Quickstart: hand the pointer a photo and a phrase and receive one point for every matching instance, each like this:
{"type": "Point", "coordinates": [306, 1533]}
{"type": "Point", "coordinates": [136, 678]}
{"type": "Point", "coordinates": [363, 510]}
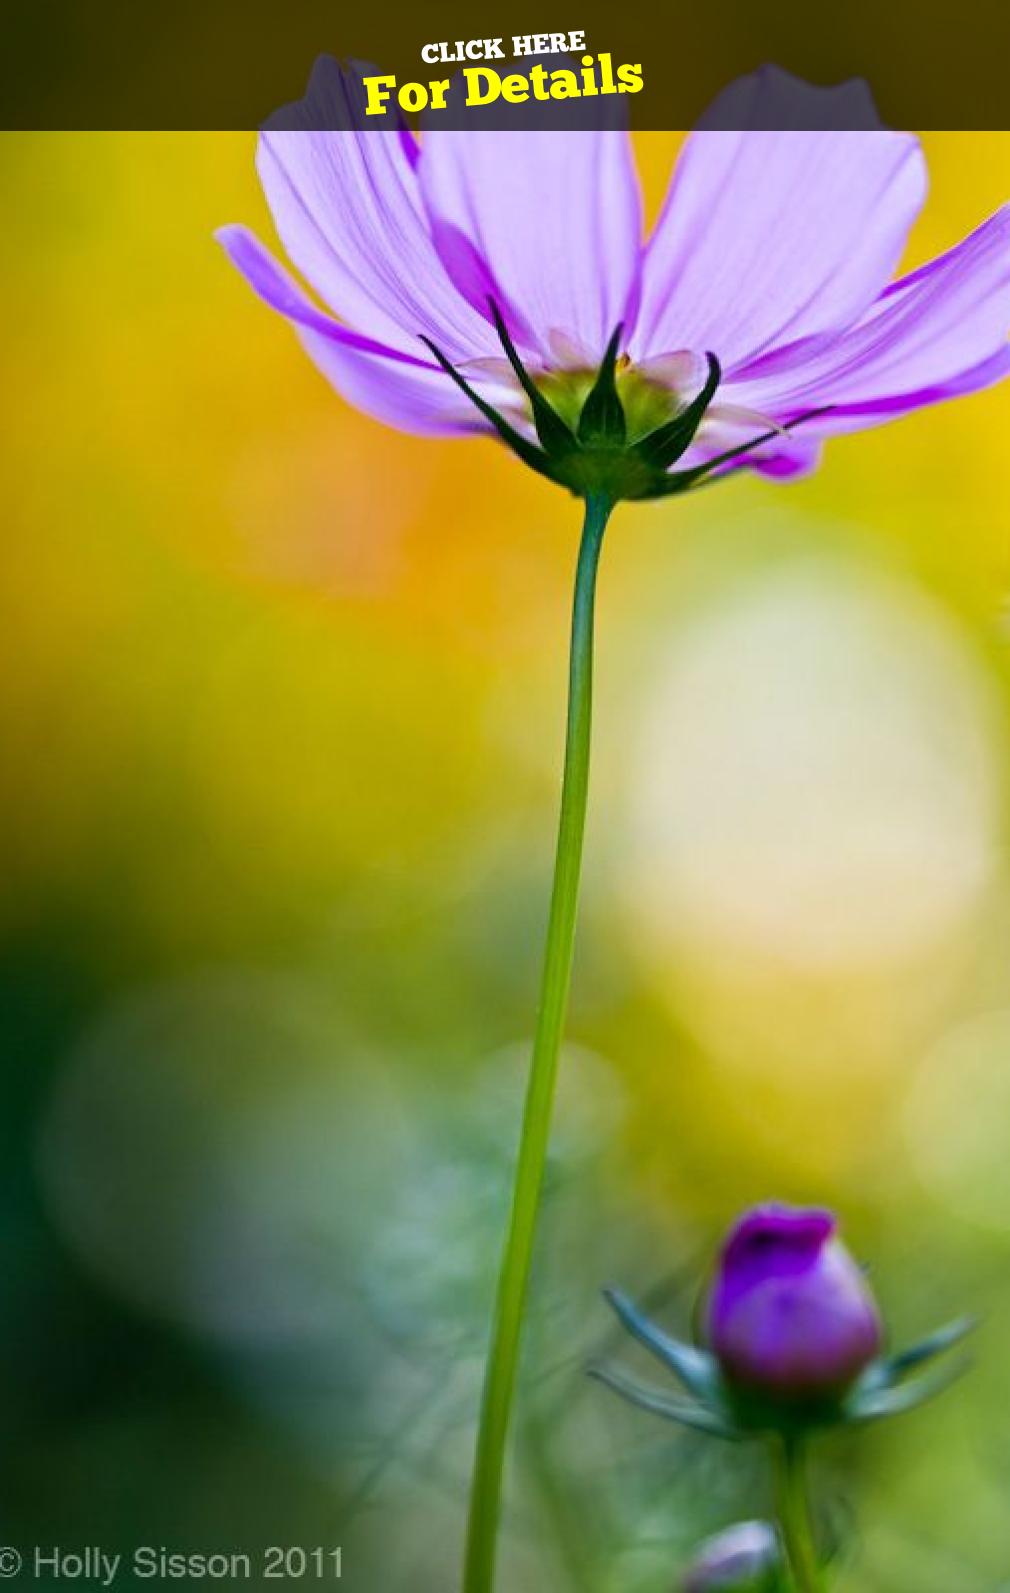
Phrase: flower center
{"type": "Point", "coordinates": [648, 400]}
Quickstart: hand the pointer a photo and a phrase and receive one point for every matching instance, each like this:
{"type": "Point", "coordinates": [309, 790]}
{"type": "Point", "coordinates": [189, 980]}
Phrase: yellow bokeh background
{"type": "Point", "coordinates": [284, 691]}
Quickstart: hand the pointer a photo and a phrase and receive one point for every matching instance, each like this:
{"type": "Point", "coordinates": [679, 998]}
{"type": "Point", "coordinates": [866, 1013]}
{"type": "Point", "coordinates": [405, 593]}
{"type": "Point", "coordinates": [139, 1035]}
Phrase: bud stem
{"type": "Point", "coordinates": [792, 1504]}
{"type": "Point", "coordinates": [514, 1273]}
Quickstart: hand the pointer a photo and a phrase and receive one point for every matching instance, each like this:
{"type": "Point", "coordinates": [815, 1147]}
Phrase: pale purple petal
{"type": "Point", "coordinates": [278, 288]}
{"type": "Point", "coordinates": [786, 459]}
{"type": "Point", "coordinates": [334, 99]}
{"type": "Point", "coordinates": [767, 237]}
{"type": "Point", "coordinates": [854, 417]}
{"type": "Point", "coordinates": [850, 417]}
{"type": "Point", "coordinates": [772, 100]}
{"type": "Point", "coordinates": [348, 211]}
{"type": "Point", "coordinates": [787, 456]}
{"type": "Point", "coordinates": [556, 216]}
{"type": "Point", "coordinates": [403, 390]}
{"type": "Point", "coordinates": [935, 334]}
{"type": "Point", "coordinates": [413, 398]}
{"type": "Point", "coordinates": [474, 278]}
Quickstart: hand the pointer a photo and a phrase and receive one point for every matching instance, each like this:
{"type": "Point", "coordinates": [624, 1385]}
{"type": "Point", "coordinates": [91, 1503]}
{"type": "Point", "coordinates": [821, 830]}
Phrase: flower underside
{"type": "Point", "coordinates": [612, 432]}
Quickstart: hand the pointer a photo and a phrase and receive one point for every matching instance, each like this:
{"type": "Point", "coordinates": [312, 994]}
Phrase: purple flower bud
{"type": "Point", "coordinates": [790, 1314]}
{"type": "Point", "coordinates": [744, 1559]}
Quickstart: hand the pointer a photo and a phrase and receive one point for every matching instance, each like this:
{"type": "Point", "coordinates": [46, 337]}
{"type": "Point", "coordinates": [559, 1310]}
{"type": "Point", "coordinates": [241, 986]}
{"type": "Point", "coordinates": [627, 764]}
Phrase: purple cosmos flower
{"type": "Point", "coordinates": [484, 280]}
{"type": "Point", "coordinates": [790, 1314]}
{"type": "Point", "coordinates": [745, 1558]}
{"type": "Point", "coordinates": [794, 1338]}
{"type": "Point", "coordinates": [795, 1346]}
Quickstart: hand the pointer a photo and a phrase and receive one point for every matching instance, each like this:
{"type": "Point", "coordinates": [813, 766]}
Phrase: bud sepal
{"type": "Point", "coordinates": [716, 1406]}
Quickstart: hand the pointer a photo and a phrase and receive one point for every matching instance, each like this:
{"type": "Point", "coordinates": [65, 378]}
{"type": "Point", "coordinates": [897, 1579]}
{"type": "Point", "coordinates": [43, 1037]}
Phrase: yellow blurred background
{"type": "Point", "coordinates": [282, 711]}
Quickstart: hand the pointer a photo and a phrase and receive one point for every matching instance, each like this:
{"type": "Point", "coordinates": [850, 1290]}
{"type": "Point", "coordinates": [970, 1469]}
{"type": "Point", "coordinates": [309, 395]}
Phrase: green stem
{"type": "Point", "coordinates": [793, 1508]}
{"type": "Point", "coordinates": [514, 1273]}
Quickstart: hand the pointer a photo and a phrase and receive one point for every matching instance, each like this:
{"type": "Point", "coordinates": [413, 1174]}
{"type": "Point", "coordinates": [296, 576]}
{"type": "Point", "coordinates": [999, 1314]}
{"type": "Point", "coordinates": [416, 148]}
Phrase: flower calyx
{"type": "Point", "coordinates": [593, 455]}
{"type": "Point", "coordinates": [711, 1403]}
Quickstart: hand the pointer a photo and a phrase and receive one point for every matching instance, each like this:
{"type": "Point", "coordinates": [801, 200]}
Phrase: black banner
{"type": "Point", "coordinates": [116, 64]}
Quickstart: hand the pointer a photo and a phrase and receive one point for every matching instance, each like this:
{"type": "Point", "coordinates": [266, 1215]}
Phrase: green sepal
{"type": "Point", "coordinates": [684, 480]}
{"type": "Point", "coordinates": [732, 1410]}
{"type": "Point", "coordinates": [886, 1389]}
{"type": "Point", "coordinates": [664, 446]}
{"type": "Point", "coordinates": [696, 1369]}
{"type": "Point", "coordinates": [555, 435]}
{"type": "Point", "coordinates": [602, 419]}
{"type": "Point", "coordinates": [528, 452]}
{"type": "Point", "coordinates": [599, 459]}
{"type": "Point", "coordinates": [872, 1403]}
{"type": "Point", "coordinates": [686, 1412]}
{"type": "Point", "coordinates": [895, 1368]}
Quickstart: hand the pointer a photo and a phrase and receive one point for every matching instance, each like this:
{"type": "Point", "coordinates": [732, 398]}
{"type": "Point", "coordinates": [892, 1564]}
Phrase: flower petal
{"type": "Point", "coordinates": [767, 237]}
{"type": "Point", "coordinates": [771, 100]}
{"type": "Point", "coordinates": [413, 398]}
{"type": "Point", "coordinates": [785, 456]}
{"type": "Point", "coordinates": [347, 207]}
{"type": "Point", "coordinates": [556, 217]}
{"type": "Point", "coordinates": [403, 390]}
{"type": "Point", "coordinates": [784, 461]}
{"type": "Point", "coordinates": [935, 334]}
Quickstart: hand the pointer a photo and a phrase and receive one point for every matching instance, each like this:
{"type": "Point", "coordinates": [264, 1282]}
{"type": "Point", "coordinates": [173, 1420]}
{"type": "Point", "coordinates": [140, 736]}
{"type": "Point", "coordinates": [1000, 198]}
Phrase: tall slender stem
{"type": "Point", "coordinates": [514, 1273]}
{"type": "Point", "coordinates": [793, 1508]}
